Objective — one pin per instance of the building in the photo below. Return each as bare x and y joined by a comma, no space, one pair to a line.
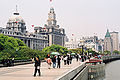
16,28
90,43
108,42
71,44
101,45
114,37
55,34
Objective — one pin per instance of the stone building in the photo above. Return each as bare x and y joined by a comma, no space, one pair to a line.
71,44
108,42
16,28
90,43
55,34
114,37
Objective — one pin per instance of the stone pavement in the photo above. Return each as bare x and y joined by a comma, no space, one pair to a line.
25,72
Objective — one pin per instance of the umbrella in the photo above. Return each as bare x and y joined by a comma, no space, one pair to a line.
90,53
55,53
73,54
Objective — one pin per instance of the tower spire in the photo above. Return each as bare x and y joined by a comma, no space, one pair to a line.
16,9
107,33
16,12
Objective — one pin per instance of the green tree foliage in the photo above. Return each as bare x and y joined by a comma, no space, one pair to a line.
55,48
12,47
2,41
7,43
4,55
107,52
78,50
20,43
116,52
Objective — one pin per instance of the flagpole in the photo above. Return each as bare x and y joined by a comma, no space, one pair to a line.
51,3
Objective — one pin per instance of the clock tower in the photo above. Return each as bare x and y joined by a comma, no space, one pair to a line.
52,30
51,18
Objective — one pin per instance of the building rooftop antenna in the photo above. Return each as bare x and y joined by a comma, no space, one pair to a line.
16,12
16,8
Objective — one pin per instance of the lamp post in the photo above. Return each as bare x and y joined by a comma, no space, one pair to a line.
82,46
82,49
82,56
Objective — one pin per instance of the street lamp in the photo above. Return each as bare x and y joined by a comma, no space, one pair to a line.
82,46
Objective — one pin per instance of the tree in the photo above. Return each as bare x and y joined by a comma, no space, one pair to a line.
20,43
116,52
107,52
4,55
10,46
2,41
55,48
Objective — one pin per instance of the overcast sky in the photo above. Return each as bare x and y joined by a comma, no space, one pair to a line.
78,17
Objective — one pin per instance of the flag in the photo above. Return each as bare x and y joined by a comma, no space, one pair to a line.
72,34
32,25
16,22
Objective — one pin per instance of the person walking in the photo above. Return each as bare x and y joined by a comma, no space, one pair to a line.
85,57
37,66
58,62
70,59
82,58
77,57
65,60
54,61
13,61
49,62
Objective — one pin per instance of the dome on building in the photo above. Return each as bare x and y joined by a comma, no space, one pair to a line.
16,23
16,18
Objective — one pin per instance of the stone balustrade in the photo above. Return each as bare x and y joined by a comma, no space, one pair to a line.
72,73
110,58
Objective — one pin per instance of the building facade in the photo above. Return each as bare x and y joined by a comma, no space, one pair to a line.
55,34
71,44
114,37
90,43
16,28
108,42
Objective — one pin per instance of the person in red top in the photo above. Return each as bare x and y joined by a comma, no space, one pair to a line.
49,62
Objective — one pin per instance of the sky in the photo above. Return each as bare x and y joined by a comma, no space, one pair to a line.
78,17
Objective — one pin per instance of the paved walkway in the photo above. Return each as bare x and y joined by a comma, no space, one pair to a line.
25,72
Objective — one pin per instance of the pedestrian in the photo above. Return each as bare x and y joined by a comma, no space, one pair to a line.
8,62
88,57
54,61
85,57
58,62
49,62
37,66
82,57
32,60
13,61
77,57
65,60
70,59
